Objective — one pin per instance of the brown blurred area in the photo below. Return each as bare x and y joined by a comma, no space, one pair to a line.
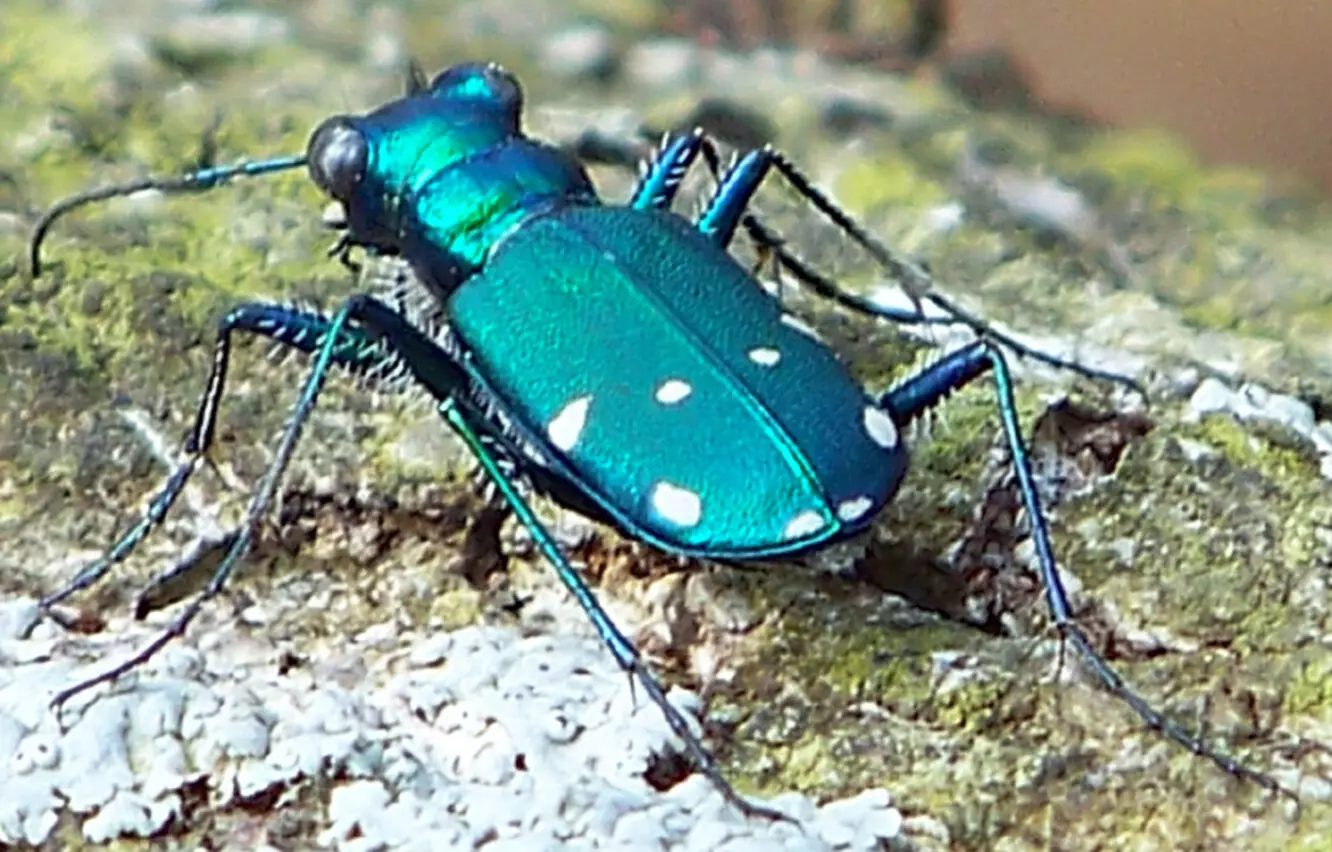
1246,82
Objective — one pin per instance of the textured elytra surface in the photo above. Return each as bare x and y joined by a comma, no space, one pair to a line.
1204,556
753,482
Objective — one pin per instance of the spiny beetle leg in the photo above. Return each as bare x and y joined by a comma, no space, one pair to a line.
183,576
435,369
727,210
729,205
660,182
337,344
299,329
661,179
922,392
383,336
658,186
620,646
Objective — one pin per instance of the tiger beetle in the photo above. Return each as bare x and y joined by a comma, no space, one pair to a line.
575,347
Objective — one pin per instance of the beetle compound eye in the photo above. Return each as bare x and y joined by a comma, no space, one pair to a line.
503,86
338,157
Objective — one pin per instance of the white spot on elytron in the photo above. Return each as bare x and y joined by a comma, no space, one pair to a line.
678,505
795,322
880,427
566,426
854,509
806,523
765,356
672,391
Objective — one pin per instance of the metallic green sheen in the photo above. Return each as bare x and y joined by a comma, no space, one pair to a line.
608,303
448,172
572,314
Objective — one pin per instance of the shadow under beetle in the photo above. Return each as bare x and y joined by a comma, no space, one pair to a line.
583,346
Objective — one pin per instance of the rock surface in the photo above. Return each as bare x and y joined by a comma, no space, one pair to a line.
352,690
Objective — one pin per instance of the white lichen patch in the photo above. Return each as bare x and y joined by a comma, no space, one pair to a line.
478,738
1252,402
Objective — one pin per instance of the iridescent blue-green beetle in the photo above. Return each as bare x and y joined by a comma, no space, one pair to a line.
616,358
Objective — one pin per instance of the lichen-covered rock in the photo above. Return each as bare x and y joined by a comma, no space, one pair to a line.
347,691
473,738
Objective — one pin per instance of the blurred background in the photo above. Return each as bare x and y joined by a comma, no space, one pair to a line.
1242,81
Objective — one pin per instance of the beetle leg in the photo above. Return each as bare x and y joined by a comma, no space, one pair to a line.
727,210
931,386
657,188
298,329
359,348
379,337
619,645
